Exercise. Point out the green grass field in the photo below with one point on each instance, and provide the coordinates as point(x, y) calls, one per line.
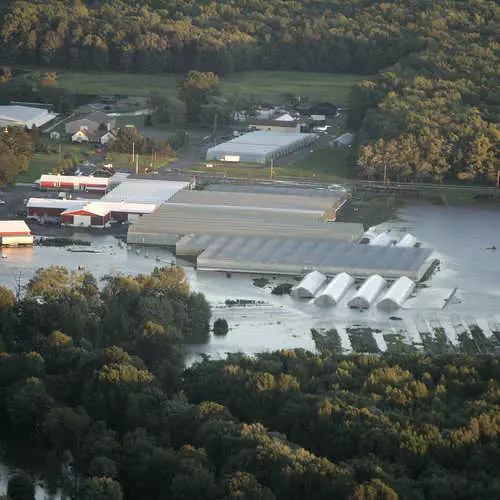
point(44, 163)
point(265, 85)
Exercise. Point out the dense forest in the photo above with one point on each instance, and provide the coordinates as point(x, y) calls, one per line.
point(95, 377)
point(429, 112)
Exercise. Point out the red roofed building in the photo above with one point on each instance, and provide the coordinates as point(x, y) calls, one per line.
point(99, 185)
point(15, 233)
point(91, 215)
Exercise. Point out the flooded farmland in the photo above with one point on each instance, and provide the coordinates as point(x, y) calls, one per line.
point(456, 309)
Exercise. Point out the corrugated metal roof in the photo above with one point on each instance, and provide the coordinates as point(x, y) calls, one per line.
point(76, 179)
point(92, 208)
point(187, 219)
point(293, 256)
point(55, 203)
point(147, 191)
point(262, 201)
point(14, 227)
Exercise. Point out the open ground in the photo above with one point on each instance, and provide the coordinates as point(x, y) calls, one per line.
point(264, 85)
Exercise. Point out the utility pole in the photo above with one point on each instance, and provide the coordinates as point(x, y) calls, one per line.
point(136, 164)
point(133, 153)
point(214, 131)
point(59, 158)
point(272, 169)
point(385, 174)
point(498, 179)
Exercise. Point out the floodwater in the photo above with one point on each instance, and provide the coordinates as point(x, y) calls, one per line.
point(460, 236)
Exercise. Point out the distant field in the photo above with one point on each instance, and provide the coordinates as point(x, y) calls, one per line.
point(265, 85)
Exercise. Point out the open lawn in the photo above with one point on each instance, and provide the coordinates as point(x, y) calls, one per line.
point(44, 163)
point(265, 85)
point(328, 164)
point(124, 161)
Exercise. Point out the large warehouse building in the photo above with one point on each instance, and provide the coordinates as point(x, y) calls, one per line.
point(24, 116)
point(260, 147)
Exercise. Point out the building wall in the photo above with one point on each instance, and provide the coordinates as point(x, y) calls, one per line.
point(276, 128)
point(44, 212)
point(16, 240)
point(119, 216)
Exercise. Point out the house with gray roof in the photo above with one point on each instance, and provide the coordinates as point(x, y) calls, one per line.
point(91, 122)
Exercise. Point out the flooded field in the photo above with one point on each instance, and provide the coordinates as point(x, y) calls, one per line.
point(469, 272)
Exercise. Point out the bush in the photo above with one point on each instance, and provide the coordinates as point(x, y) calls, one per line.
point(21, 487)
point(220, 327)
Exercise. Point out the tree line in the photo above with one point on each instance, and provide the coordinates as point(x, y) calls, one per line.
point(95, 377)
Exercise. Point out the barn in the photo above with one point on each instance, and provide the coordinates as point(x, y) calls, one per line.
point(91, 215)
point(47, 208)
point(15, 233)
point(98, 185)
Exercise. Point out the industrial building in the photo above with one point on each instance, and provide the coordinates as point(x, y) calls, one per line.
point(24, 116)
point(333, 293)
point(146, 191)
point(308, 287)
point(260, 147)
point(287, 256)
point(170, 222)
point(395, 297)
point(96, 185)
point(15, 233)
point(368, 292)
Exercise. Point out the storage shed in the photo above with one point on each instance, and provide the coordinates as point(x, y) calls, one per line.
point(407, 241)
point(395, 297)
point(335, 290)
point(308, 287)
point(15, 233)
point(261, 146)
point(368, 292)
point(92, 215)
point(381, 240)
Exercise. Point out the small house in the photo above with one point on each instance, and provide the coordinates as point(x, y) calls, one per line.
point(107, 137)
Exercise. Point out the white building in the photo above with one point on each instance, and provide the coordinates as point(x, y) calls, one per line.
point(407, 241)
point(368, 292)
point(24, 116)
point(395, 297)
point(15, 233)
point(382, 240)
point(333, 293)
point(308, 287)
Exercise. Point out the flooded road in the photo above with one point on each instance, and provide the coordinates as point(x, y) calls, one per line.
point(461, 237)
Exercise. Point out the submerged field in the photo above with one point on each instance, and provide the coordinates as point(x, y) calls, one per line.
point(264, 85)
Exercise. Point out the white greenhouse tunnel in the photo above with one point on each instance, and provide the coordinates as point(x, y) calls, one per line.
point(308, 287)
point(333, 293)
point(397, 294)
point(368, 292)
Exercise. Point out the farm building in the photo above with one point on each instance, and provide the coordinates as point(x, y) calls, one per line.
point(172, 221)
point(407, 241)
point(278, 125)
point(368, 292)
point(261, 146)
point(333, 293)
point(145, 191)
point(395, 297)
point(24, 116)
point(294, 255)
point(45, 208)
point(381, 240)
point(308, 287)
point(91, 215)
point(15, 233)
point(97, 185)
point(91, 122)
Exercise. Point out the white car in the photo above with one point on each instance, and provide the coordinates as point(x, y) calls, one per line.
point(2, 202)
point(321, 128)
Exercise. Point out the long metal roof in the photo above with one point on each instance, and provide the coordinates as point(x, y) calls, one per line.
point(225, 221)
point(254, 200)
point(147, 191)
point(291, 256)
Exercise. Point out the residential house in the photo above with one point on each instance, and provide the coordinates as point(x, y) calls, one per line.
point(80, 136)
point(92, 122)
point(107, 137)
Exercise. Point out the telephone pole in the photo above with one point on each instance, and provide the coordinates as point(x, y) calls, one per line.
point(133, 153)
point(136, 164)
